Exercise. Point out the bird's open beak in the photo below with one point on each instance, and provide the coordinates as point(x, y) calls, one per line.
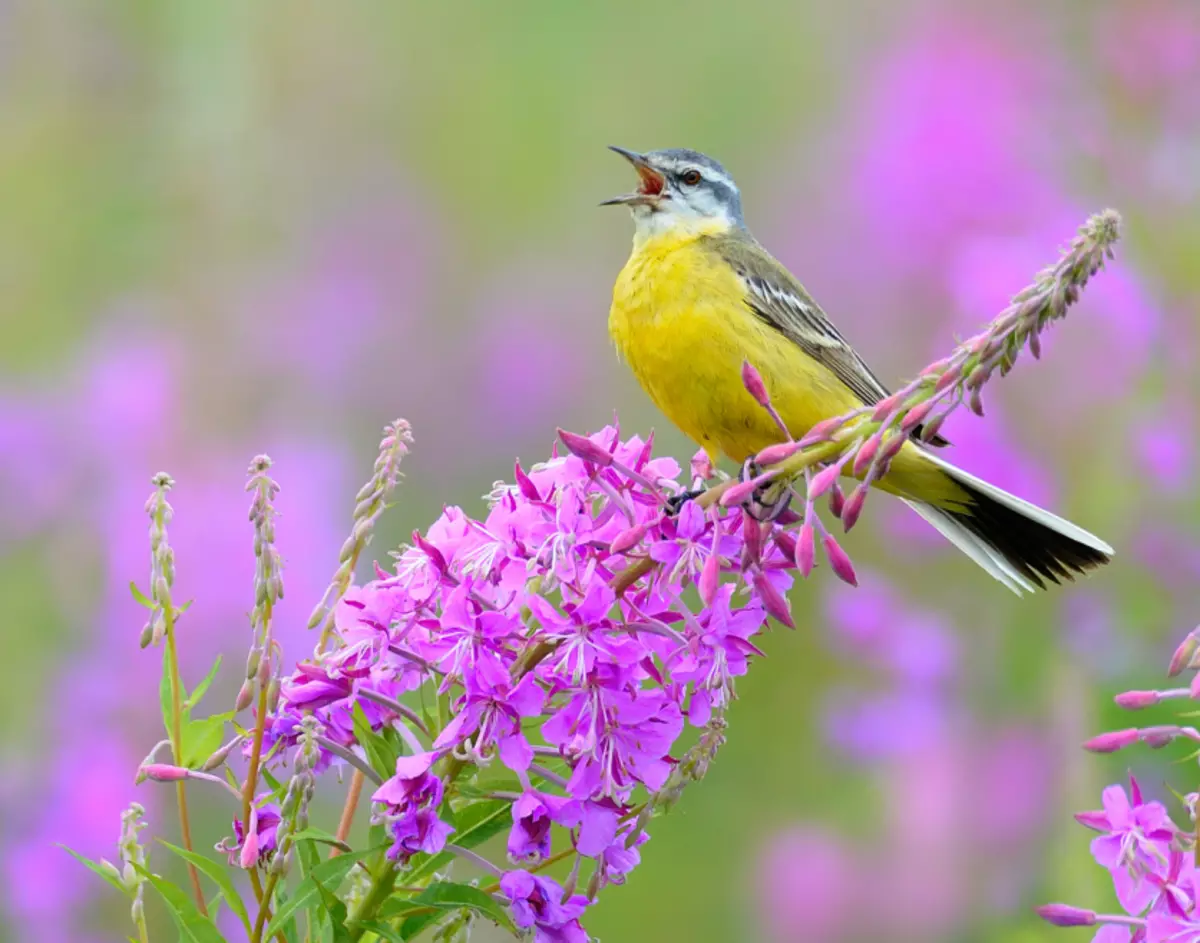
point(650, 192)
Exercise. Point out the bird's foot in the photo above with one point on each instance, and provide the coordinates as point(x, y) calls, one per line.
point(769, 500)
point(676, 502)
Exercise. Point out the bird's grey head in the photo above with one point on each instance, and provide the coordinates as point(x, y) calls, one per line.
point(680, 187)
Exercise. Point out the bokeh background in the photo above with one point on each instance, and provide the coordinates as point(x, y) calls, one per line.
point(228, 228)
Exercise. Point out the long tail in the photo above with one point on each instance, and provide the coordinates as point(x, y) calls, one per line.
point(1018, 543)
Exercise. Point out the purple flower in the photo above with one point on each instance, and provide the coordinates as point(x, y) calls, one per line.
point(717, 651)
point(616, 739)
point(537, 903)
point(533, 814)
point(1137, 843)
point(582, 632)
point(412, 797)
point(492, 709)
point(266, 819)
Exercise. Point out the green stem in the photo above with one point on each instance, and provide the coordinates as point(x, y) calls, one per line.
point(382, 885)
point(185, 827)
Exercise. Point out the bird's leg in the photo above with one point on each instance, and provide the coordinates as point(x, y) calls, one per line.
point(676, 502)
point(763, 506)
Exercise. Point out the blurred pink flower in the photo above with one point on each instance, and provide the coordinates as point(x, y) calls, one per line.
point(807, 881)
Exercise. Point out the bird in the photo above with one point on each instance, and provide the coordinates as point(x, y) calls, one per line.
point(699, 297)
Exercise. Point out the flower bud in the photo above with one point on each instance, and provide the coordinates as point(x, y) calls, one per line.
point(772, 599)
point(837, 500)
point(245, 696)
point(753, 381)
point(1064, 915)
point(162, 772)
point(1136, 700)
point(525, 484)
point(915, 416)
point(822, 432)
point(823, 480)
point(710, 575)
point(702, 466)
point(627, 539)
point(853, 506)
point(740, 492)
point(806, 550)
point(866, 454)
point(1183, 655)
point(585, 448)
point(777, 453)
point(1112, 741)
point(839, 561)
point(884, 407)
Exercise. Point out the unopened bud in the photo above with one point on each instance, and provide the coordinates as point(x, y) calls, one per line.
point(702, 466)
point(1183, 655)
point(772, 599)
point(777, 453)
point(162, 772)
point(147, 636)
point(806, 549)
point(220, 756)
point(839, 561)
point(753, 382)
point(585, 448)
point(853, 506)
point(1064, 915)
point(865, 455)
point(627, 539)
point(1112, 741)
point(245, 696)
point(1136, 700)
point(525, 484)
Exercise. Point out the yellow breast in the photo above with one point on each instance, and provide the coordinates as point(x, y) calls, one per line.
point(679, 318)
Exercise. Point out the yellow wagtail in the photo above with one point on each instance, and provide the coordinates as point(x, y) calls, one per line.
point(699, 297)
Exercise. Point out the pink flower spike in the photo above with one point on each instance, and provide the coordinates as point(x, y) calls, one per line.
point(772, 600)
point(777, 453)
point(838, 560)
point(1112, 741)
point(1064, 915)
point(627, 539)
point(584, 448)
point(754, 384)
point(710, 575)
point(806, 550)
point(1136, 700)
point(162, 772)
point(853, 507)
point(1183, 655)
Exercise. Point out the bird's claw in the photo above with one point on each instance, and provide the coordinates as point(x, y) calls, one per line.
point(676, 502)
point(763, 506)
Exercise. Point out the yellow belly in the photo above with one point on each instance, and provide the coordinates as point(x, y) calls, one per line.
point(682, 324)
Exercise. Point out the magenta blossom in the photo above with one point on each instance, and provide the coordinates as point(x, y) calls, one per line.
point(1137, 843)
point(537, 904)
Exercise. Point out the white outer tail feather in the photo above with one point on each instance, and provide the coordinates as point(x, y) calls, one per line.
point(978, 549)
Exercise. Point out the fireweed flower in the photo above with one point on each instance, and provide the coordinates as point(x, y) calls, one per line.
point(556, 640)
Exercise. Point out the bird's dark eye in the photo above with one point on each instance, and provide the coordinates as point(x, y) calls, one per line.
point(690, 177)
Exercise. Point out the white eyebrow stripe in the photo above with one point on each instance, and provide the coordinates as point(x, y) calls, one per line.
point(674, 165)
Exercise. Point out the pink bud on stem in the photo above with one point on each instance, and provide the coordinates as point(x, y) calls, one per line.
point(1112, 741)
point(1136, 700)
point(773, 601)
point(1064, 915)
point(839, 561)
point(584, 448)
point(806, 549)
point(754, 384)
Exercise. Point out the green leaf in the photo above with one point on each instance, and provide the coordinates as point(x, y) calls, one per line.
point(194, 698)
point(447, 895)
point(331, 872)
point(290, 932)
point(336, 911)
point(187, 916)
point(97, 868)
point(379, 752)
point(219, 876)
point(141, 598)
point(311, 834)
point(383, 931)
point(202, 738)
point(474, 825)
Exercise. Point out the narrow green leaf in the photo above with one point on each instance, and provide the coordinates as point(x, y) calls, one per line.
point(398, 907)
point(331, 872)
point(379, 752)
point(219, 876)
point(194, 698)
point(197, 926)
point(141, 598)
point(336, 911)
point(311, 834)
point(412, 926)
point(291, 932)
point(474, 825)
point(96, 868)
point(203, 738)
point(447, 895)
point(383, 931)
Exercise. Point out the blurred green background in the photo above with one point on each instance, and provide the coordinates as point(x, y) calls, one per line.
point(234, 227)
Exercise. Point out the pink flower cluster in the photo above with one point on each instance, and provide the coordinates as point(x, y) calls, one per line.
point(552, 663)
point(1152, 860)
